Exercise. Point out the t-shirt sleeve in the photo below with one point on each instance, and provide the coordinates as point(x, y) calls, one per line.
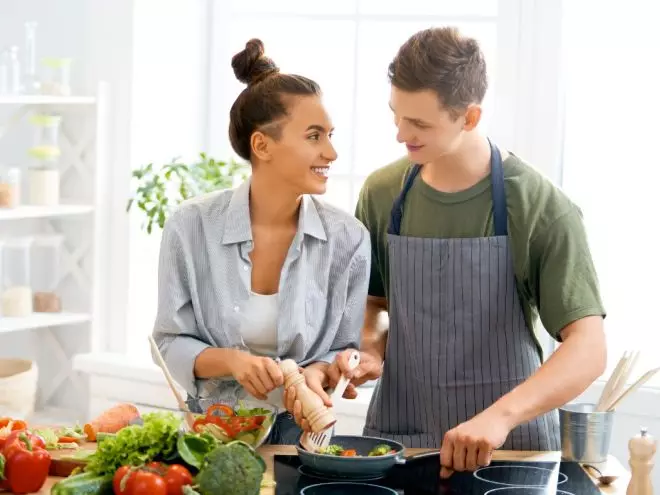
point(563, 274)
point(362, 213)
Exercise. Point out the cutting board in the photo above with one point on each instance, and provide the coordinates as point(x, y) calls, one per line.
point(60, 466)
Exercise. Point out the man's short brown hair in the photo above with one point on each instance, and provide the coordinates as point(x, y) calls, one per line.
point(445, 61)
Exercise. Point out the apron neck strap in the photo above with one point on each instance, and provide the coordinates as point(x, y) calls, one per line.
point(498, 191)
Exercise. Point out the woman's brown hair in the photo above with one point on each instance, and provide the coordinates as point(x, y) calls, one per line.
point(263, 103)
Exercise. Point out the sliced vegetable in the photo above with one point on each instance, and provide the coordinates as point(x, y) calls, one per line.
point(26, 463)
point(226, 410)
point(382, 449)
point(349, 453)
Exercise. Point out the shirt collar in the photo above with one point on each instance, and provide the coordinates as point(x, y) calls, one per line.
point(237, 223)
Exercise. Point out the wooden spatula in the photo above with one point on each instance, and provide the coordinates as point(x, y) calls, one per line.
point(188, 416)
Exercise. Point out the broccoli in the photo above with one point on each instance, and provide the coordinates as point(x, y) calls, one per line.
point(382, 449)
point(331, 450)
point(231, 469)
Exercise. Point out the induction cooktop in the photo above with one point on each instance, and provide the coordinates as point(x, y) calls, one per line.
point(422, 477)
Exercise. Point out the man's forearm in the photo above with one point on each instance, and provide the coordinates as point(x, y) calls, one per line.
point(578, 361)
point(374, 332)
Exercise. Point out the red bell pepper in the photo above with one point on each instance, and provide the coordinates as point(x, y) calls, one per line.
point(14, 425)
point(26, 463)
point(228, 411)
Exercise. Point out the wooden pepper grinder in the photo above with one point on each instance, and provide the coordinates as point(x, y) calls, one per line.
point(642, 448)
point(315, 411)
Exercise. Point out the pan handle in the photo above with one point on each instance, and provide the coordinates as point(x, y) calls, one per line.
point(417, 457)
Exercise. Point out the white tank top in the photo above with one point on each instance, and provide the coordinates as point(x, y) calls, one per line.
point(259, 333)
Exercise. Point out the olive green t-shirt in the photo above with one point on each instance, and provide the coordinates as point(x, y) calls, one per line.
point(554, 271)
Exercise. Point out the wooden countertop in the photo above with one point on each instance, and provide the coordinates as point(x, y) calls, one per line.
point(269, 451)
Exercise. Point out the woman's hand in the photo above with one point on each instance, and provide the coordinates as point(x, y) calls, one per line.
point(257, 375)
point(316, 378)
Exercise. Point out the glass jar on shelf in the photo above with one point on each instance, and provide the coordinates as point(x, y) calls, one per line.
point(45, 268)
point(57, 77)
point(31, 80)
point(16, 295)
point(43, 173)
point(10, 187)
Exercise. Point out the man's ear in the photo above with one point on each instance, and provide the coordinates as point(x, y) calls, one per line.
point(472, 117)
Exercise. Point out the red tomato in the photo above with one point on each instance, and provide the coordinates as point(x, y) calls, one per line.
point(153, 479)
point(116, 481)
point(148, 483)
point(176, 478)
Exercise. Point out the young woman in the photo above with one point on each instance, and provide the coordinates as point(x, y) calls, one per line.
point(263, 271)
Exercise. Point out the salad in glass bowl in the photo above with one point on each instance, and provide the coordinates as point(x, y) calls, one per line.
point(244, 420)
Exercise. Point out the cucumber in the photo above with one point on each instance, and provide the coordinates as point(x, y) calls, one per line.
point(84, 484)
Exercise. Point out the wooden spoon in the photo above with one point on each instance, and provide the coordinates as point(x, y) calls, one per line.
point(190, 419)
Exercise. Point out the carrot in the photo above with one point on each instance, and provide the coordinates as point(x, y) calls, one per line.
point(111, 421)
point(349, 453)
point(69, 440)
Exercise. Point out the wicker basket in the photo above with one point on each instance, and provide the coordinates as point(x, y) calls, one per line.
point(18, 387)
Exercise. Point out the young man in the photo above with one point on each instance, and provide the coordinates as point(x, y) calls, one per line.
point(471, 245)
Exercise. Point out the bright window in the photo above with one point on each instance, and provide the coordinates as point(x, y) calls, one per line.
point(610, 164)
point(344, 45)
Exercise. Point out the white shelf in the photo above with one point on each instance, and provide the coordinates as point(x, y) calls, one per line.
point(46, 100)
point(41, 320)
point(28, 211)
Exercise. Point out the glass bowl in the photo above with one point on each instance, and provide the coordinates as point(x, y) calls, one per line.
point(250, 422)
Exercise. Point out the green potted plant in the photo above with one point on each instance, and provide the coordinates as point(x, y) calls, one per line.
point(158, 192)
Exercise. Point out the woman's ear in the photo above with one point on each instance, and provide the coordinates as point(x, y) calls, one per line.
point(260, 145)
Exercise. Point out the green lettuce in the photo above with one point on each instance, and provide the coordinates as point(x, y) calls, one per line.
point(137, 444)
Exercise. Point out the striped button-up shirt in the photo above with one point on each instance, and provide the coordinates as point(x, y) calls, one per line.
point(204, 283)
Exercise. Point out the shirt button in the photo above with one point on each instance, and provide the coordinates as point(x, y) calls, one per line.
point(245, 267)
point(236, 308)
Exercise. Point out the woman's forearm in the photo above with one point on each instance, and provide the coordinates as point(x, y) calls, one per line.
point(215, 362)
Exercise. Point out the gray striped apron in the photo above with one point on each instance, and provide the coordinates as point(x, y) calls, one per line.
point(458, 339)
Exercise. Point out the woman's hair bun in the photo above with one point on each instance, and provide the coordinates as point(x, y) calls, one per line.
point(250, 65)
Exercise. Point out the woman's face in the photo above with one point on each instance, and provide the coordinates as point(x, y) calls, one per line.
point(298, 159)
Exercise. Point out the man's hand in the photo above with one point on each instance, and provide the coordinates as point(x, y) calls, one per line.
point(470, 445)
point(316, 378)
point(370, 368)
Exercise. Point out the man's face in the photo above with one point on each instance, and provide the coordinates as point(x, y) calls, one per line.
point(428, 130)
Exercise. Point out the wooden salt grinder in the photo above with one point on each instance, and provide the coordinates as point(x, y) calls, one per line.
point(315, 411)
point(642, 448)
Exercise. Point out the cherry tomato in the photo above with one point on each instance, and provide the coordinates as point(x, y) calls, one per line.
point(116, 481)
point(176, 478)
point(153, 479)
point(148, 483)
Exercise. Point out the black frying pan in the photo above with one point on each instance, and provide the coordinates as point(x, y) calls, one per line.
point(358, 467)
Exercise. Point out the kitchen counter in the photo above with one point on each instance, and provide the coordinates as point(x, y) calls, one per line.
point(269, 451)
